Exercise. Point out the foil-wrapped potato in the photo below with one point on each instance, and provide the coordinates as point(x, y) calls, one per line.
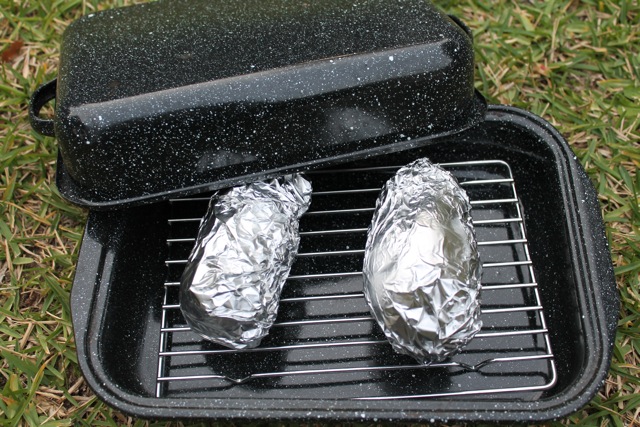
point(421, 265)
point(230, 289)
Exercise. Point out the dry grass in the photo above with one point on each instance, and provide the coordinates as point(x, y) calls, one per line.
point(575, 63)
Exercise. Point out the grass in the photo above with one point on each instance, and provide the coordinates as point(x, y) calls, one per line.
point(575, 63)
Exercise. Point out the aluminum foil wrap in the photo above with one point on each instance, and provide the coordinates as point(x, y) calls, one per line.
point(230, 289)
point(421, 264)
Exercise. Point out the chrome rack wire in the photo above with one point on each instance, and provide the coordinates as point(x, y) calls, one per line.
point(325, 342)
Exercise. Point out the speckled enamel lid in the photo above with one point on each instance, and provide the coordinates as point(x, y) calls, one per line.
point(181, 96)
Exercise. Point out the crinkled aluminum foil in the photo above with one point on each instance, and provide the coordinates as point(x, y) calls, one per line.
point(230, 289)
point(421, 265)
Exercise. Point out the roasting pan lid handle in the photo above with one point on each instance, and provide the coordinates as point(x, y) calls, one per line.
point(39, 99)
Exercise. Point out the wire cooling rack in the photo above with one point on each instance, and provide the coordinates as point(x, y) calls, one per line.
point(326, 344)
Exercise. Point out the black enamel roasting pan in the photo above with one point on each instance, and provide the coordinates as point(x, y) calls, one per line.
point(183, 98)
point(549, 303)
